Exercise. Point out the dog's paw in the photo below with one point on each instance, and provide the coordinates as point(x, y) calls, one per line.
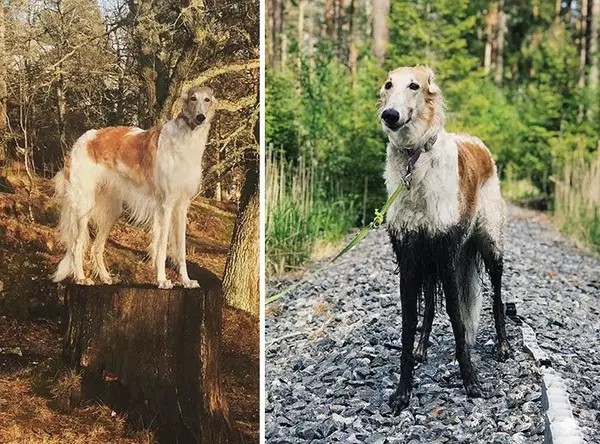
point(400, 399)
point(190, 283)
point(84, 281)
point(166, 284)
point(111, 280)
point(503, 350)
point(473, 389)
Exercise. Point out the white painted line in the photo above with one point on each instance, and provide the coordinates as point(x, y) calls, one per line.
point(531, 344)
point(561, 427)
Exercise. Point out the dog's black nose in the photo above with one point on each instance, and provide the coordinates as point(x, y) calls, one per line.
point(390, 116)
point(200, 118)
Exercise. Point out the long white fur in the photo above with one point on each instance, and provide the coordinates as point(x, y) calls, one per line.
point(96, 192)
point(431, 204)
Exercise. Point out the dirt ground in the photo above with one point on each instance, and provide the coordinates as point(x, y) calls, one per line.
point(31, 324)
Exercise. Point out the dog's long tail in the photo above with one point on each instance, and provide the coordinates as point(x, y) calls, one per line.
point(67, 228)
point(470, 298)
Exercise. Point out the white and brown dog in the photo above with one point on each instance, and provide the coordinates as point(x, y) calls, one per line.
point(447, 222)
point(153, 173)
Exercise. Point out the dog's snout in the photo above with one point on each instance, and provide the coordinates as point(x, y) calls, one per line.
point(200, 118)
point(390, 116)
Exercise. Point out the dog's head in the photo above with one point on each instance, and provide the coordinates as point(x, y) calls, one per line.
point(410, 103)
point(198, 105)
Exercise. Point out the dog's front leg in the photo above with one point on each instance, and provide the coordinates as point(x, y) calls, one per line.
point(429, 289)
point(468, 373)
point(165, 213)
point(180, 221)
point(409, 289)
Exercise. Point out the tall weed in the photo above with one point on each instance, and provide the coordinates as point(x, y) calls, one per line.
point(577, 200)
point(303, 208)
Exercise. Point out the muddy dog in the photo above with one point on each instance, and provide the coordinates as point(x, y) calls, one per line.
point(444, 226)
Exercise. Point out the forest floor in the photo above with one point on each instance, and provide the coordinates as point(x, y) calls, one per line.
point(31, 324)
point(333, 350)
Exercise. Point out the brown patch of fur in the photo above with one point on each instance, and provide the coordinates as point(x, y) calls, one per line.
point(475, 166)
point(135, 150)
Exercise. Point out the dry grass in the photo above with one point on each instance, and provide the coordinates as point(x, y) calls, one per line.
point(577, 201)
point(66, 391)
point(26, 418)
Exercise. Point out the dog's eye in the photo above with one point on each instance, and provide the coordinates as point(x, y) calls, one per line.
point(388, 85)
point(193, 98)
point(207, 99)
point(413, 86)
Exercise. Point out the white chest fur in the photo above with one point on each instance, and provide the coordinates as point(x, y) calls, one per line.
point(179, 158)
point(431, 202)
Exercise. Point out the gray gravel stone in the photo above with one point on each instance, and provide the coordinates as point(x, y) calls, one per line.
point(332, 383)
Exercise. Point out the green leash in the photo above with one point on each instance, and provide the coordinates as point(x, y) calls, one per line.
point(375, 223)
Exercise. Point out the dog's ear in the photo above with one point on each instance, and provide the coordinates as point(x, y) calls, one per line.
point(184, 91)
point(432, 86)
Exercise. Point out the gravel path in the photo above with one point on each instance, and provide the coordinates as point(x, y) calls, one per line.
point(333, 359)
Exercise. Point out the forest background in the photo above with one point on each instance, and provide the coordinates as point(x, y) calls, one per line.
point(522, 75)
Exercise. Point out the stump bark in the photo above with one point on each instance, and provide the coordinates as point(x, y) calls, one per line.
point(154, 354)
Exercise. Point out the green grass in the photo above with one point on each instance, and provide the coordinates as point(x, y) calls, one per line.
point(303, 212)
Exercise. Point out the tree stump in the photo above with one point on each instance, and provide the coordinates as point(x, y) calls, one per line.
point(154, 354)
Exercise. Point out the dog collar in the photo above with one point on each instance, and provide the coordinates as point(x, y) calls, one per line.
point(415, 154)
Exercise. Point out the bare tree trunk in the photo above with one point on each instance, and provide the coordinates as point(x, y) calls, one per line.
point(491, 20)
point(381, 33)
point(500, 44)
point(61, 109)
point(140, 11)
point(329, 18)
point(218, 186)
point(241, 280)
point(340, 13)
point(582, 43)
point(557, 9)
point(120, 112)
point(582, 25)
point(3, 90)
point(301, 7)
point(594, 54)
point(353, 53)
point(277, 14)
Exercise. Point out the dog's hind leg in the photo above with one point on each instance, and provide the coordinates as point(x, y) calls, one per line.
point(490, 244)
point(409, 292)
point(429, 290)
point(494, 265)
point(463, 355)
point(107, 211)
point(83, 204)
